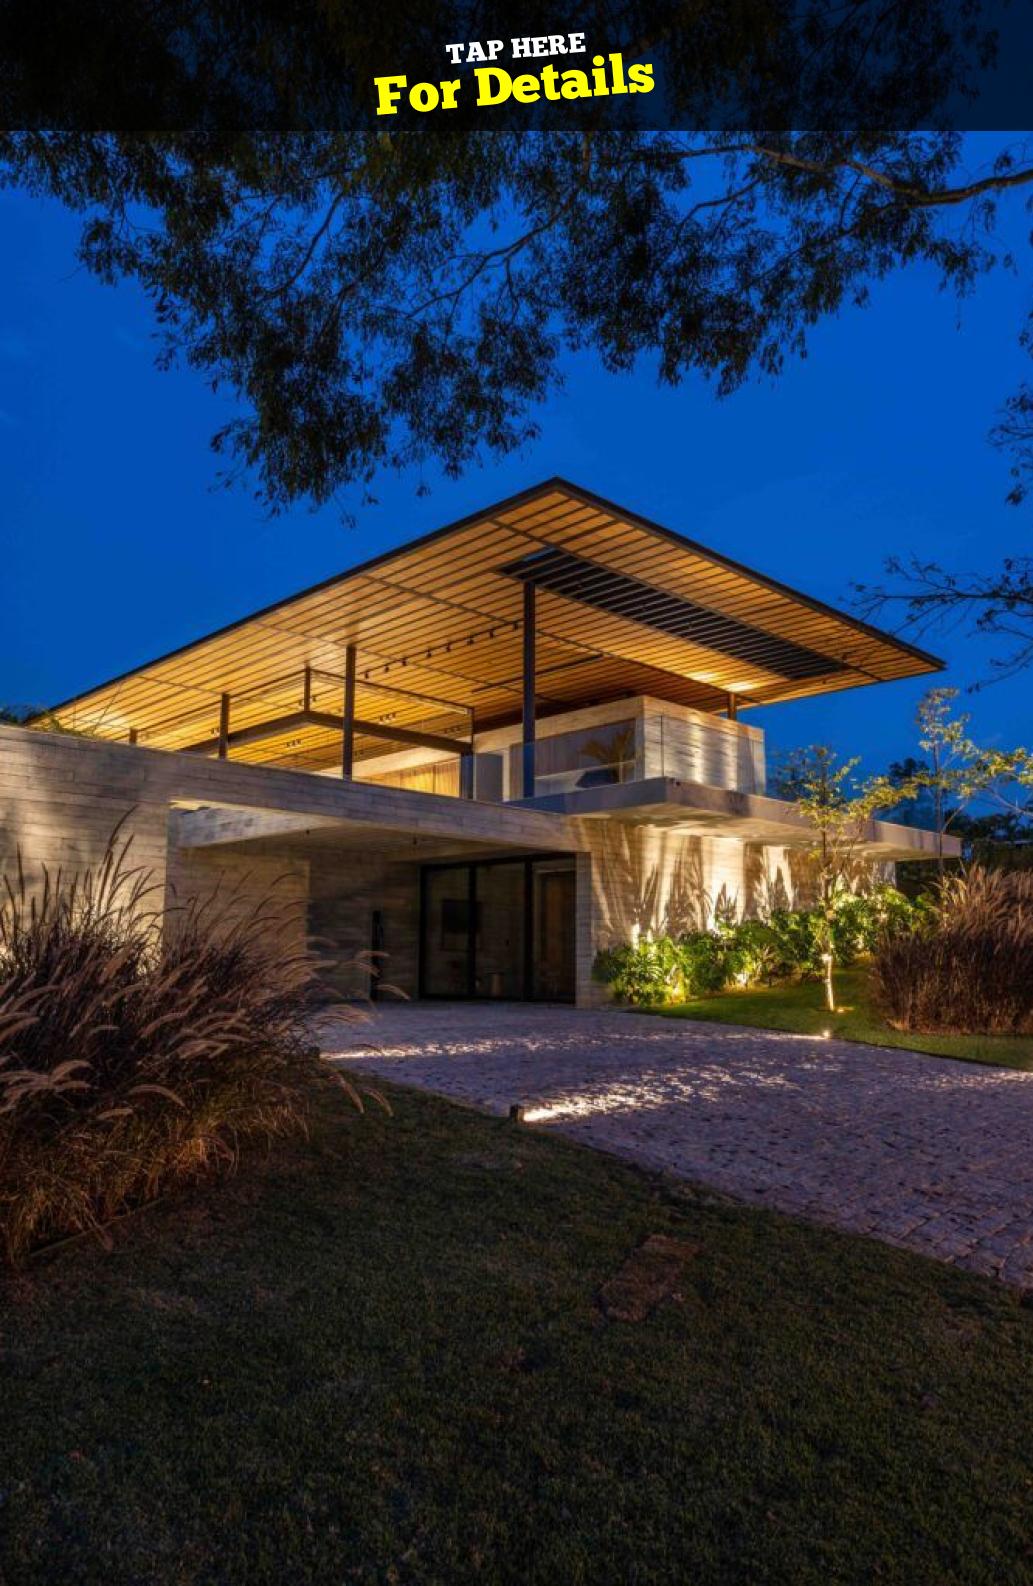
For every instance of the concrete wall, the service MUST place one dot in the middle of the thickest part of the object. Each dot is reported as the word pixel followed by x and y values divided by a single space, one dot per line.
pixel 638 880
pixel 692 746
pixel 61 797
pixel 238 884
pixel 344 890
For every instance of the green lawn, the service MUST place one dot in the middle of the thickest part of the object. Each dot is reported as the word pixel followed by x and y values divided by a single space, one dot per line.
pixel 379 1357
pixel 801 1008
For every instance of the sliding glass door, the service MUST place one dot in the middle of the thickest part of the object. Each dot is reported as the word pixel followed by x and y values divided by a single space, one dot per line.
pixel 447 908
pixel 498 929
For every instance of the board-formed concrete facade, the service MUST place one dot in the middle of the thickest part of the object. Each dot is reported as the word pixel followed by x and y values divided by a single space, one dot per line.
pixel 335 851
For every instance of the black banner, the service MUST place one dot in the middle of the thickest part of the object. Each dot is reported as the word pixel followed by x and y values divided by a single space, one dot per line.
pixel 234 65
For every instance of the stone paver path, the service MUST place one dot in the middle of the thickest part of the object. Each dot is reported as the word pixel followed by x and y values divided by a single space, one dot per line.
pixel 918 1151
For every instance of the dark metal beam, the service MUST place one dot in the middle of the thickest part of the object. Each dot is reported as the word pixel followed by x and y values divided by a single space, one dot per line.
pixel 263 729
pixel 731 707
pixel 321 718
pixel 529 689
pixel 224 726
pixel 420 740
pixel 596 584
pixel 394 688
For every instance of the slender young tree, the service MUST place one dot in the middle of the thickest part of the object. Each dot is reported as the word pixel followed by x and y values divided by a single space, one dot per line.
pixel 951 772
pixel 825 793
pixel 956 772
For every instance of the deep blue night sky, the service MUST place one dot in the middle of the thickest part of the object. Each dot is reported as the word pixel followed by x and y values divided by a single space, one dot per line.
pixel 116 547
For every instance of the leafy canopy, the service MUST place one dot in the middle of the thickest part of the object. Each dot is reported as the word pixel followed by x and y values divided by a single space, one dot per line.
pixel 375 301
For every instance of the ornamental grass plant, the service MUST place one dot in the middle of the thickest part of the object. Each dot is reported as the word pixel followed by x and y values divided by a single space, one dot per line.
pixel 967 967
pixel 141 1048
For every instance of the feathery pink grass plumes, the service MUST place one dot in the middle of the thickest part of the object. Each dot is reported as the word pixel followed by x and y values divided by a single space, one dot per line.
pixel 139 1049
pixel 968 968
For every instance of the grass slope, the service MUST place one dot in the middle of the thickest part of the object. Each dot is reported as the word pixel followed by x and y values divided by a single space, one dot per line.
pixel 378 1357
pixel 801 1008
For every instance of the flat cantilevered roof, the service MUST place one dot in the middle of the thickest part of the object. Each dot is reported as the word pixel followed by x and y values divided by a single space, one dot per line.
pixel 624 607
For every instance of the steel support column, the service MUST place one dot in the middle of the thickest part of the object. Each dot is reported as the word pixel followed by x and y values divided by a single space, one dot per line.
pixel 529 690
pixel 348 725
pixel 224 726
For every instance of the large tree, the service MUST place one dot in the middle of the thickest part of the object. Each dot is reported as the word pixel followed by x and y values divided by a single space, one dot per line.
pixel 375 300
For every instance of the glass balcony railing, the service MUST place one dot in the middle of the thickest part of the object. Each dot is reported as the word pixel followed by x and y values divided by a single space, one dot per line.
pixel 690 748
pixel 599 775
pixel 566 762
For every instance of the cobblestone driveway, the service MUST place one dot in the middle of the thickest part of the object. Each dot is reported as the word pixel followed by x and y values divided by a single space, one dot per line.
pixel 918 1151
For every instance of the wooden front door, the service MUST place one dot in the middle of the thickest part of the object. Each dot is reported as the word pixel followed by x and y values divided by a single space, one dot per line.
pixel 553 962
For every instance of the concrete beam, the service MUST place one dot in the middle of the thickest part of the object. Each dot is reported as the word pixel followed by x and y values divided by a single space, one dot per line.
pixel 697 808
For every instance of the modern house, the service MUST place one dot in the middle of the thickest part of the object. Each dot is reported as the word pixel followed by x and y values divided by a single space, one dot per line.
pixel 487 754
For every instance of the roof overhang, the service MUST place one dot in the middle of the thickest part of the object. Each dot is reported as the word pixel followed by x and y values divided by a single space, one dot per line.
pixel 624 607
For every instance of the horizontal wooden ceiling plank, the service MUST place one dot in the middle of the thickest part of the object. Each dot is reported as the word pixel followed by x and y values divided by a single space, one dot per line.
pixel 412 613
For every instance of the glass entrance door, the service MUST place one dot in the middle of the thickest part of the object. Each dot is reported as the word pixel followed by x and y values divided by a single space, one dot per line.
pixel 499 945
pixel 447 909
pixel 499 929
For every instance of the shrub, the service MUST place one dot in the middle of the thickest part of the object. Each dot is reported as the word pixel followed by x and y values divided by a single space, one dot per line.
pixel 751 952
pixel 706 962
pixel 131 1057
pixel 740 953
pixel 965 963
pixel 872 912
pixel 659 970
pixel 649 971
pixel 796 942
pixel 858 921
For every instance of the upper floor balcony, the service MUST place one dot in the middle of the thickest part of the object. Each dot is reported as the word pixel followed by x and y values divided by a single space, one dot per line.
pixel 624 741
